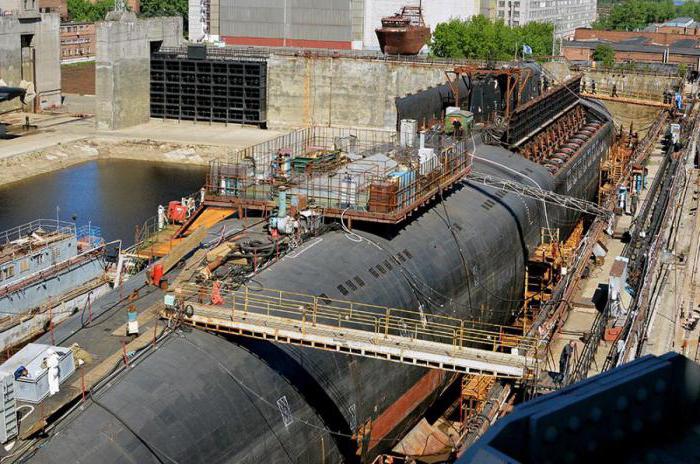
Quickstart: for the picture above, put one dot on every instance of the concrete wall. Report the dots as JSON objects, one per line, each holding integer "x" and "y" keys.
{"x": 646, "y": 86}
{"x": 342, "y": 91}
{"x": 46, "y": 44}
{"x": 632, "y": 84}
{"x": 123, "y": 67}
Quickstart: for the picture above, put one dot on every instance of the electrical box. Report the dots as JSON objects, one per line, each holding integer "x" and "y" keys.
{"x": 197, "y": 52}
{"x": 34, "y": 386}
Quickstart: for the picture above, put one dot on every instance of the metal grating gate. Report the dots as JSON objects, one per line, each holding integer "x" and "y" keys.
{"x": 218, "y": 89}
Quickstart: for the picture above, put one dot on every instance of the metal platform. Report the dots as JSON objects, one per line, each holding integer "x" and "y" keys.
{"x": 364, "y": 330}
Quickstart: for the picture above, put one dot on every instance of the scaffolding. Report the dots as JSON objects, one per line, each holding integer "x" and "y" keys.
{"x": 352, "y": 174}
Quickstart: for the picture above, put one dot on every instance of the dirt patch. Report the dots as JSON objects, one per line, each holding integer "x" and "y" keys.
{"x": 78, "y": 78}
{"x": 60, "y": 156}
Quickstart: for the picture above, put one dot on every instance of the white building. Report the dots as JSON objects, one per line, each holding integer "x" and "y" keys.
{"x": 566, "y": 15}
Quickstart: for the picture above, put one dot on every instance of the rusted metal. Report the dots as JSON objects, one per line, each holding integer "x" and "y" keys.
{"x": 516, "y": 79}
{"x": 405, "y": 406}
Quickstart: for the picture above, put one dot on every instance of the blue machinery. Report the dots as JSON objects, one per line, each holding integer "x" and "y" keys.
{"x": 646, "y": 411}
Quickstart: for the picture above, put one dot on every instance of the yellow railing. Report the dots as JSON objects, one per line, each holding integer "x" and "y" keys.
{"x": 311, "y": 310}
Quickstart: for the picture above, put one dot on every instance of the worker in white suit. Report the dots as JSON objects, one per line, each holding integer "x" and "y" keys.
{"x": 52, "y": 365}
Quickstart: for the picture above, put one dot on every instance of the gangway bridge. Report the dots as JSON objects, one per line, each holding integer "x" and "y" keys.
{"x": 391, "y": 334}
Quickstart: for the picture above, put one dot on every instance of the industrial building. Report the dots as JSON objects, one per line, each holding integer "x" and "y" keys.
{"x": 339, "y": 24}
{"x": 29, "y": 51}
{"x": 673, "y": 47}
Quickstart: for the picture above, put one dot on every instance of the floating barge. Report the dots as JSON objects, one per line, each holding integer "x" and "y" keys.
{"x": 48, "y": 269}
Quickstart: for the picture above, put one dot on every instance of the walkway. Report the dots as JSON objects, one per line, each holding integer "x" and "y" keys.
{"x": 583, "y": 312}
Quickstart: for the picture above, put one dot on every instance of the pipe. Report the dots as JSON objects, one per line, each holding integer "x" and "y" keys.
{"x": 282, "y": 203}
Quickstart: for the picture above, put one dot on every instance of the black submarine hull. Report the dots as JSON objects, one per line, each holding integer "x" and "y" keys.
{"x": 204, "y": 398}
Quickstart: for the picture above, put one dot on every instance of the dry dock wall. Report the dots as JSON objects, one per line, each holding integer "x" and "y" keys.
{"x": 342, "y": 91}
{"x": 123, "y": 66}
{"x": 645, "y": 86}
{"x": 38, "y": 62}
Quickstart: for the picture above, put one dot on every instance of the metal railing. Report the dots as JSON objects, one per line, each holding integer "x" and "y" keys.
{"x": 26, "y": 230}
{"x": 148, "y": 233}
{"x": 259, "y": 53}
{"x": 310, "y": 310}
{"x": 590, "y": 348}
{"x": 367, "y": 172}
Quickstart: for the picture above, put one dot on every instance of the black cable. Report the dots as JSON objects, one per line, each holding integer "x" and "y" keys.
{"x": 150, "y": 448}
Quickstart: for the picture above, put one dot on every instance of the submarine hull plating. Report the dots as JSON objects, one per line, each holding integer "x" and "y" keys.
{"x": 201, "y": 398}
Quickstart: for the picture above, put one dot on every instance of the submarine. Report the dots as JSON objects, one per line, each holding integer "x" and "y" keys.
{"x": 207, "y": 398}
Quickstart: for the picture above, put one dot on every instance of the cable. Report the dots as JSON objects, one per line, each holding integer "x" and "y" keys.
{"x": 152, "y": 449}
{"x": 544, "y": 204}
{"x": 268, "y": 403}
{"x": 350, "y": 235}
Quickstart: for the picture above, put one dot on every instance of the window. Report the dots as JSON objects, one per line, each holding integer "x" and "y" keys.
{"x": 24, "y": 265}
{"x": 9, "y": 271}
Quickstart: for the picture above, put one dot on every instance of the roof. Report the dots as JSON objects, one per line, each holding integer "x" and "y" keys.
{"x": 679, "y": 48}
{"x": 680, "y": 22}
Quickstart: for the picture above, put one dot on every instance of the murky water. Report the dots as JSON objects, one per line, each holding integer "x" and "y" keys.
{"x": 112, "y": 194}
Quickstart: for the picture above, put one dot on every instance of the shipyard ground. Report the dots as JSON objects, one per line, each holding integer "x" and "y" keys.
{"x": 60, "y": 140}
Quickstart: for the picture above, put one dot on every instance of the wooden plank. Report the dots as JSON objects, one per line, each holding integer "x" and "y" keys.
{"x": 179, "y": 251}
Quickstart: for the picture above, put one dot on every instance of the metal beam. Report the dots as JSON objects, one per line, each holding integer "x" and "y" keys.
{"x": 537, "y": 193}
{"x": 401, "y": 349}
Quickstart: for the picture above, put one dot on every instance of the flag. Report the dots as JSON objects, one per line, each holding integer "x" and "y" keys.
{"x": 527, "y": 50}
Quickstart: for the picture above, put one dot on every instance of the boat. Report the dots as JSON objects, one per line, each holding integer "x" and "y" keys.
{"x": 404, "y": 33}
{"x": 49, "y": 270}
{"x": 462, "y": 253}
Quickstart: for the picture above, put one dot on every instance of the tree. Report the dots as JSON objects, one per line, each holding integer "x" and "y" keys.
{"x": 481, "y": 38}
{"x": 84, "y": 11}
{"x": 632, "y": 15}
{"x": 604, "y": 54}
{"x": 164, "y": 8}
{"x": 682, "y": 70}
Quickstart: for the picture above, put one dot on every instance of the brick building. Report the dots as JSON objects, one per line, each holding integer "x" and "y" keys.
{"x": 77, "y": 42}
{"x": 55, "y": 6}
{"x": 639, "y": 47}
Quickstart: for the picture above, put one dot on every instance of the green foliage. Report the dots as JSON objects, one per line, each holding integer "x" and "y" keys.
{"x": 682, "y": 70}
{"x": 633, "y": 15}
{"x": 481, "y": 38}
{"x": 604, "y": 54}
{"x": 164, "y": 8}
{"x": 84, "y": 11}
